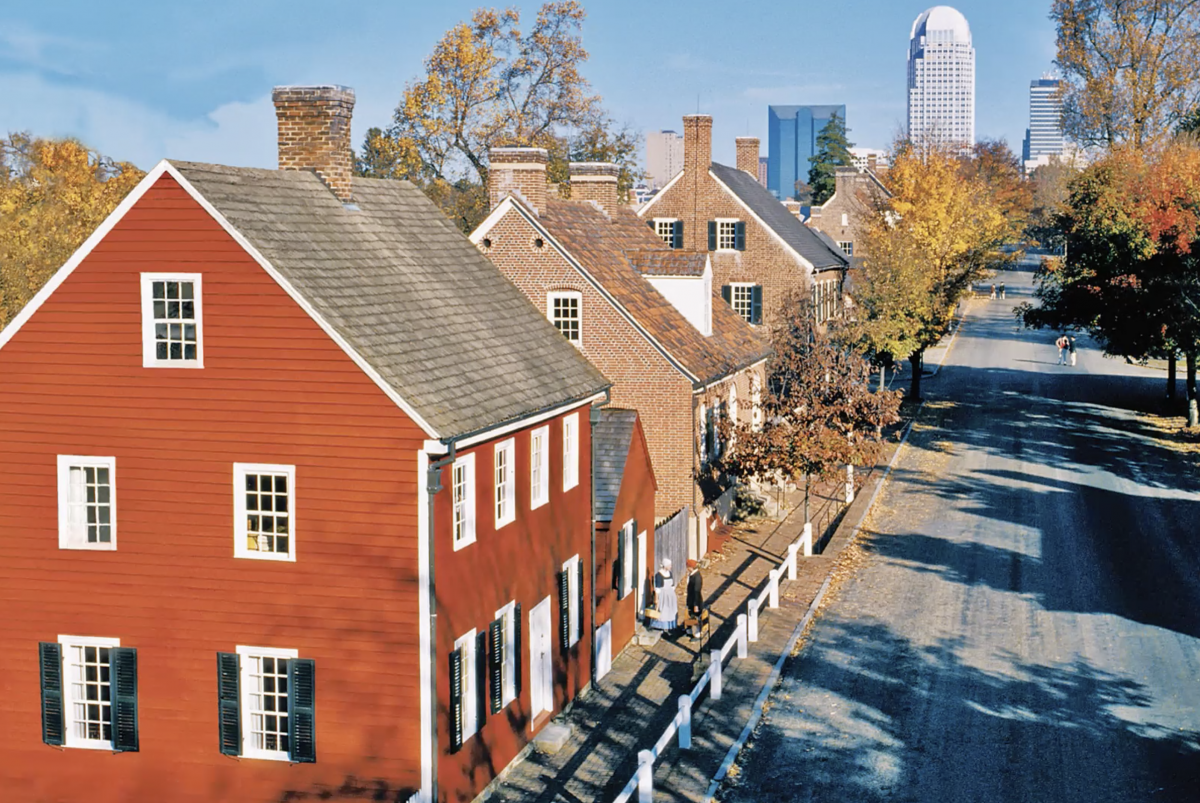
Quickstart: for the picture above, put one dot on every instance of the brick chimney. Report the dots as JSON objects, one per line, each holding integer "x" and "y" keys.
{"x": 595, "y": 181}
{"x": 747, "y": 155}
{"x": 314, "y": 133}
{"x": 697, "y": 161}
{"x": 697, "y": 143}
{"x": 520, "y": 172}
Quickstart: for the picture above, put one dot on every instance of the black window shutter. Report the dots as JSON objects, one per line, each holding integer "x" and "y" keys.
{"x": 516, "y": 648}
{"x": 496, "y": 664}
{"x": 727, "y": 294}
{"x": 564, "y": 609}
{"x": 677, "y": 235}
{"x": 481, "y": 680}
{"x": 621, "y": 558}
{"x": 124, "y": 690}
{"x": 579, "y": 594}
{"x": 712, "y": 235}
{"x": 229, "y": 715}
{"x": 302, "y": 700}
{"x": 653, "y": 225}
{"x": 756, "y": 304}
{"x": 456, "y": 701}
{"x": 50, "y": 656}
{"x": 739, "y": 235}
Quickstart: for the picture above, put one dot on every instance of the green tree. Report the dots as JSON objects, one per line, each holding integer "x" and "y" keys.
{"x": 833, "y": 151}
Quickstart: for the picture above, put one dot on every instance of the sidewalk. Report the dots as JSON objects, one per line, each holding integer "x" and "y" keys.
{"x": 631, "y": 706}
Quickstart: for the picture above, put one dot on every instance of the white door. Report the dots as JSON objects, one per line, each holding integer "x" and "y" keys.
{"x": 603, "y": 649}
{"x": 640, "y": 579}
{"x": 541, "y": 670}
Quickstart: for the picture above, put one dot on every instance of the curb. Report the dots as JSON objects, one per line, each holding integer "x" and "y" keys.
{"x": 777, "y": 670}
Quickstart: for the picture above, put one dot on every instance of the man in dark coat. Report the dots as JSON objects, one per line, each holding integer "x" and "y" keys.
{"x": 695, "y": 596}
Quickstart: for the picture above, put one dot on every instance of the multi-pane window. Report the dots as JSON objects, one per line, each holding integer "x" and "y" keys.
{"x": 847, "y": 247}
{"x": 565, "y": 310}
{"x": 670, "y": 230}
{"x": 756, "y": 402}
{"x": 539, "y": 470}
{"x": 463, "y": 500}
{"x": 628, "y": 578}
{"x": 505, "y": 483}
{"x": 265, "y": 500}
{"x": 89, "y": 684}
{"x": 268, "y": 702}
{"x": 466, "y": 708}
{"x": 570, "y": 451}
{"x": 171, "y": 320}
{"x": 746, "y": 300}
{"x": 87, "y": 517}
{"x": 726, "y": 235}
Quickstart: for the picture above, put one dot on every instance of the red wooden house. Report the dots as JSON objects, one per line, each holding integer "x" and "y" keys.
{"x": 294, "y": 496}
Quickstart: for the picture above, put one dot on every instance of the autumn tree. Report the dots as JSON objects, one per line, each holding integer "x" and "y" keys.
{"x": 487, "y": 83}
{"x": 1049, "y": 187}
{"x": 833, "y": 151}
{"x": 53, "y": 195}
{"x": 1129, "y": 67}
{"x": 939, "y": 233}
{"x": 818, "y": 410}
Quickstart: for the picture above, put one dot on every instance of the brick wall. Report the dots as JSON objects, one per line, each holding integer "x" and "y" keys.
{"x": 846, "y": 215}
{"x": 747, "y": 155}
{"x": 314, "y": 132}
{"x": 595, "y": 181}
{"x": 520, "y": 172}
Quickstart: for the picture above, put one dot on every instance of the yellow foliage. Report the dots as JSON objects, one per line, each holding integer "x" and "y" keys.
{"x": 53, "y": 195}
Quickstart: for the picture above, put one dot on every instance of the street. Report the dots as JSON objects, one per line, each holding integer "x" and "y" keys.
{"x": 1026, "y": 623}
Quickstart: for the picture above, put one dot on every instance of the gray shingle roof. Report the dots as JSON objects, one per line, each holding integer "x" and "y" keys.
{"x": 442, "y": 326}
{"x": 800, "y": 238}
{"x": 611, "y": 438}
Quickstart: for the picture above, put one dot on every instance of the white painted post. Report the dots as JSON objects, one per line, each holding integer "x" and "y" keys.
{"x": 741, "y": 635}
{"x": 752, "y": 629}
{"x": 791, "y": 560}
{"x": 849, "y": 483}
{"x": 685, "y": 722}
{"x": 715, "y": 674}
{"x": 807, "y": 539}
{"x": 773, "y": 589}
{"x": 645, "y": 776}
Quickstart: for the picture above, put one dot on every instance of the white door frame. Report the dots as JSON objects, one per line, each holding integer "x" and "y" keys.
{"x": 541, "y": 663}
{"x": 641, "y": 574}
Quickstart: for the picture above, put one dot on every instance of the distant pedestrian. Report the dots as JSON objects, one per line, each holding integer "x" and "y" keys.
{"x": 1002, "y": 289}
{"x": 993, "y": 291}
{"x": 665, "y": 601}
{"x": 1062, "y": 344}
{"x": 1071, "y": 348}
{"x": 695, "y": 597}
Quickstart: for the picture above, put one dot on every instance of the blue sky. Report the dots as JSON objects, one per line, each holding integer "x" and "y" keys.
{"x": 144, "y": 81}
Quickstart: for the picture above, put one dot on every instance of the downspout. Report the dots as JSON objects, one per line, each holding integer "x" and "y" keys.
{"x": 432, "y": 486}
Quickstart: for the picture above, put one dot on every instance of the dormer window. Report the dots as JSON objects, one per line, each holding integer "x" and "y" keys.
{"x": 171, "y": 321}
{"x": 565, "y": 311}
{"x": 726, "y": 234}
{"x": 670, "y": 230}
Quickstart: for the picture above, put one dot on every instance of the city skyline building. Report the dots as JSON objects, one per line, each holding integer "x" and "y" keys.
{"x": 941, "y": 78}
{"x": 1044, "y": 137}
{"x": 664, "y": 157}
{"x": 870, "y": 158}
{"x": 791, "y": 141}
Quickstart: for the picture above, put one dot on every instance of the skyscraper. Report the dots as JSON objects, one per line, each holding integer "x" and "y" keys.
{"x": 1044, "y": 137}
{"x": 791, "y": 142}
{"x": 941, "y": 78}
{"x": 664, "y": 157}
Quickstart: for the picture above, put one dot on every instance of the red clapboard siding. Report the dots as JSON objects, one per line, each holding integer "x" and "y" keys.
{"x": 274, "y": 389}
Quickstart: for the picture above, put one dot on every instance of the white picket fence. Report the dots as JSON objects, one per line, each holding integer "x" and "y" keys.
{"x": 746, "y": 632}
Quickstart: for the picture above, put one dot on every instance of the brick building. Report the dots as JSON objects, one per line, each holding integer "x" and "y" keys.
{"x": 642, "y": 312}
{"x": 759, "y": 250}
{"x": 846, "y": 215}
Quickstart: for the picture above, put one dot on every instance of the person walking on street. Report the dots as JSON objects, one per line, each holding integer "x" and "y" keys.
{"x": 993, "y": 291}
{"x": 1002, "y": 289}
{"x": 1071, "y": 348}
{"x": 667, "y": 604}
{"x": 1062, "y": 349}
{"x": 695, "y": 597}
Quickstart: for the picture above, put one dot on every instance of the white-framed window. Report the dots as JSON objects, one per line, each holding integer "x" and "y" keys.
{"x": 670, "y": 229}
{"x": 265, "y": 702}
{"x": 756, "y": 402}
{"x": 847, "y": 247}
{"x": 703, "y": 431}
{"x": 264, "y": 499}
{"x": 570, "y": 451}
{"x": 87, "y": 688}
{"x": 539, "y": 467}
{"x": 845, "y": 219}
{"x": 565, "y": 310}
{"x": 508, "y": 657}
{"x": 468, "y": 708}
{"x": 727, "y": 235}
{"x": 462, "y": 490}
{"x": 505, "y": 492}
{"x": 87, "y": 502}
{"x": 627, "y": 573}
{"x": 746, "y": 300}
{"x": 574, "y": 615}
{"x": 172, "y": 321}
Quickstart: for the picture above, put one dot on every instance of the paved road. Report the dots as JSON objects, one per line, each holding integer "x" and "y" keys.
{"x": 1026, "y": 626}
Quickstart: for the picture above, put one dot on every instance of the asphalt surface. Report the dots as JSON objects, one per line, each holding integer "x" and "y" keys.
{"x": 1026, "y": 623}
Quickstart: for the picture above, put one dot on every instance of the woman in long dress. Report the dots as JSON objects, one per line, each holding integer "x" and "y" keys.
{"x": 664, "y": 592}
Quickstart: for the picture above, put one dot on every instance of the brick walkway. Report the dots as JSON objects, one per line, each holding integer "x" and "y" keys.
{"x": 629, "y": 709}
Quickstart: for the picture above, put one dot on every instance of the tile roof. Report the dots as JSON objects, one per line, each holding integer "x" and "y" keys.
{"x": 611, "y": 438}
{"x": 442, "y": 326}
{"x": 603, "y": 243}
{"x": 663, "y": 262}
{"x": 799, "y": 237}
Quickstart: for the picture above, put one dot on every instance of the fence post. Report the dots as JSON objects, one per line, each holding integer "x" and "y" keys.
{"x": 741, "y": 635}
{"x": 806, "y": 539}
{"x": 849, "y": 483}
{"x": 714, "y": 679}
{"x": 645, "y": 776}
{"x": 685, "y": 722}
{"x": 773, "y": 589}
{"x": 791, "y": 560}
{"x": 752, "y": 631}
